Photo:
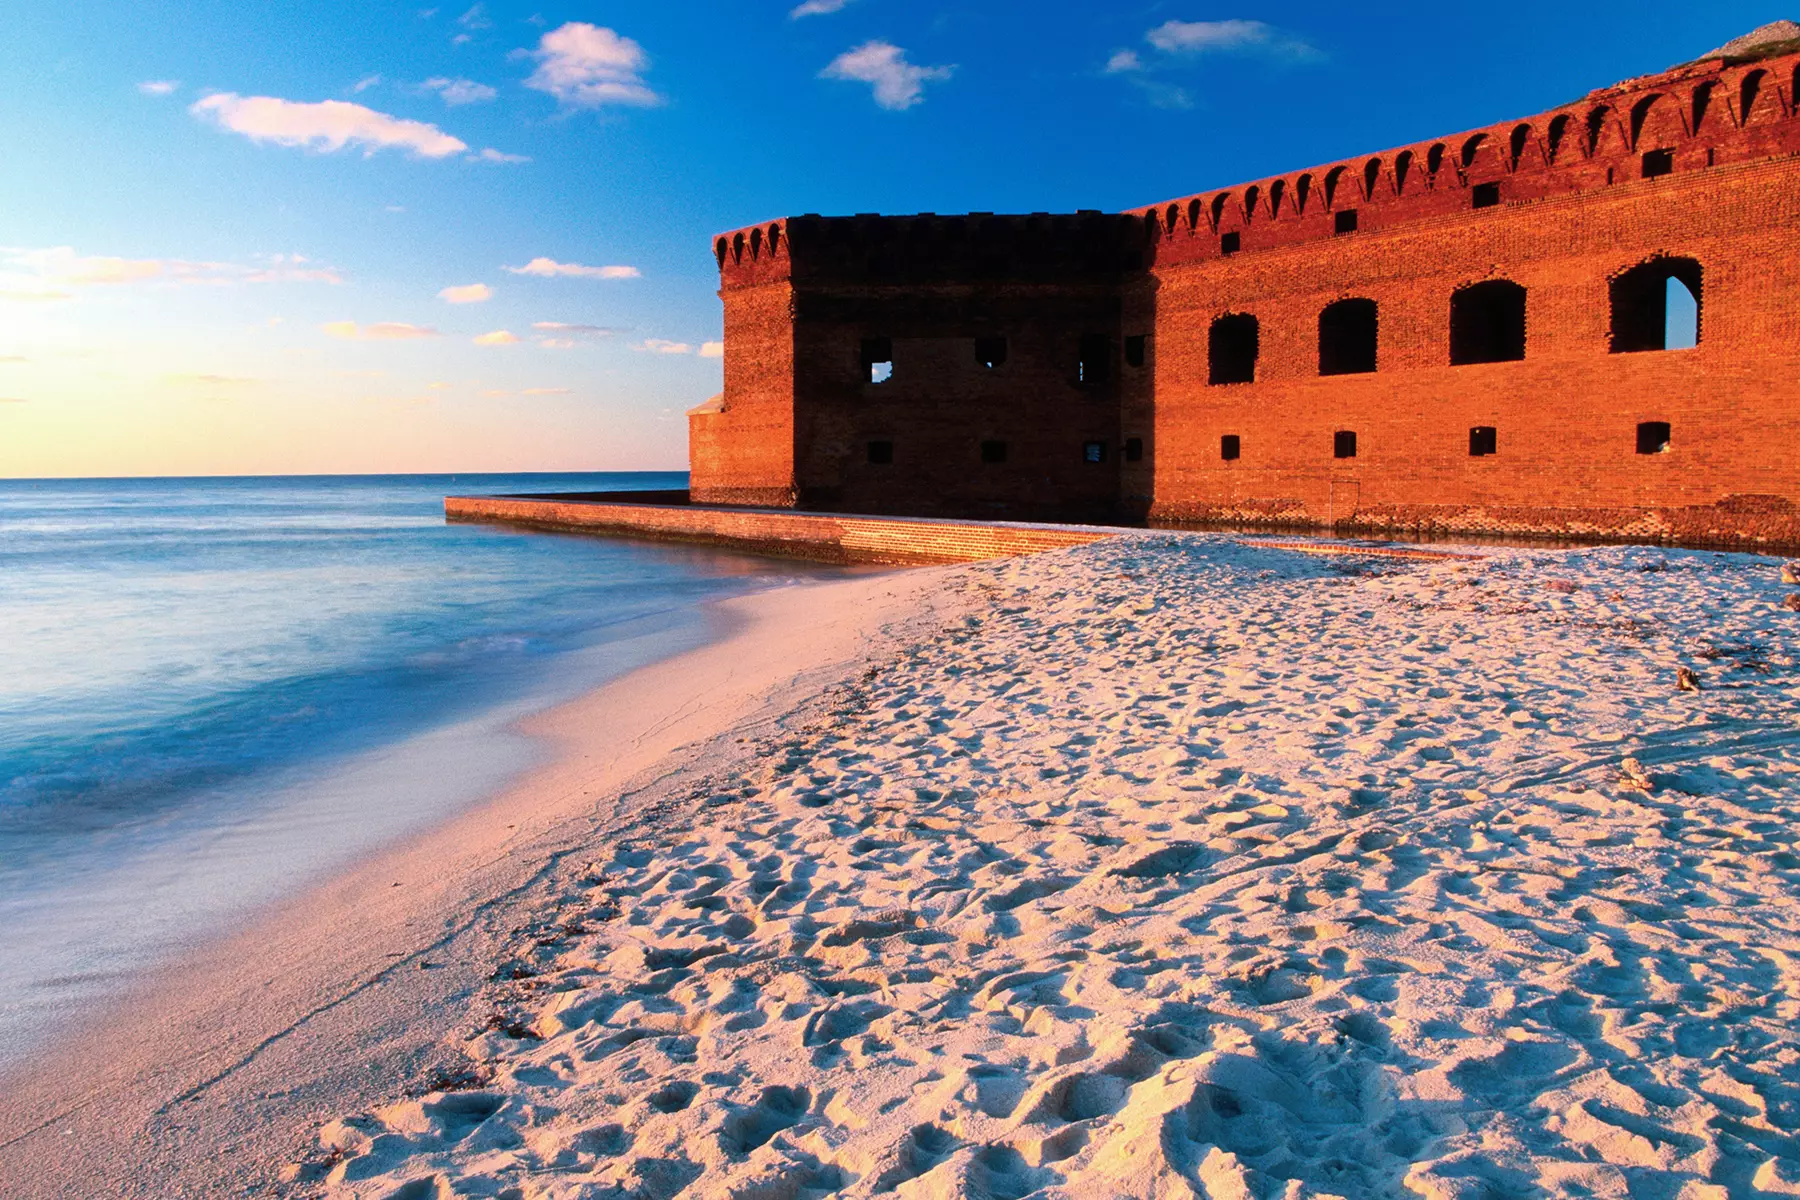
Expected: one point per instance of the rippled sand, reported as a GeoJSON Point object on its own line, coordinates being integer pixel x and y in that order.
{"type": "Point", "coordinates": [1181, 867]}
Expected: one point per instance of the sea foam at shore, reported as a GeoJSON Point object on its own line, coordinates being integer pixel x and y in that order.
{"type": "Point", "coordinates": [1175, 866]}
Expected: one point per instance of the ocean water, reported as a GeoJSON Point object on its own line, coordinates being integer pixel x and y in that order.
{"type": "Point", "coordinates": [214, 691]}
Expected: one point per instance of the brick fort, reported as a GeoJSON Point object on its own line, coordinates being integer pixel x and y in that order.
{"type": "Point", "coordinates": [1583, 324]}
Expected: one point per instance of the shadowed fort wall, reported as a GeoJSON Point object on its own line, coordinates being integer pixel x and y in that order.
{"type": "Point", "coordinates": [1693, 169]}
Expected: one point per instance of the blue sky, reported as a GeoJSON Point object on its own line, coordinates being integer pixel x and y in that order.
{"type": "Point", "coordinates": [240, 238]}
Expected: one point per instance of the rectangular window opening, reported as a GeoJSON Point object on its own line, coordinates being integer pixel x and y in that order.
{"type": "Point", "coordinates": [1344, 221]}
{"type": "Point", "coordinates": [881, 453]}
{"type": "Point", "coordinates": [1343, 444]}
{"type": "Point", "coordinates": [990, 352]}
{"type": "Point", "coordinates": [1230, 243]}
{"type": "Point", "coordinates": [1095, 366]}
{"type": "Point", "coordinates": [1485, 195]}
{"type": "Point", "coordinates": [1229, 447]}
{"type": "Point", "coordinates": [1134, 349]}
{"type": "Point", "coordinates": [993, 452]}
{"type": "Point", "coordinates": [1134, 449]}
{"type": "Point", "coordinates": [1652, 437]}
{"type": "Point", "coordinates": [1658, 162]}
{"type": "Point", "coordinates": [1093, 452]}
{"type": "Point", "coordinates": [878, 359]}
{"type": "Point", "coordinates": [1483, 441]}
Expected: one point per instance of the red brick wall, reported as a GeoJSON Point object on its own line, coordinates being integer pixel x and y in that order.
{"type": "Point", "coordinates": [744, 454]}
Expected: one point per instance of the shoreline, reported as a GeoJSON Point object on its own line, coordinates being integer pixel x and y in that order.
{"type": "Point", "coordinates": [234, 1047]}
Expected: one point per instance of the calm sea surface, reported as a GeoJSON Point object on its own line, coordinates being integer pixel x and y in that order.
{"type": "Point", "coordinates": [214, 691]}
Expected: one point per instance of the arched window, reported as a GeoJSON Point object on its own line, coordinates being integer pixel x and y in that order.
{"type": "Point", "coordinates": [774, 239]}
{"type": "Point", "coordinates": [1697, 109]}
{"type": "Point", "coordinates": [1558, 130]}
{"type": "Point", "coordinates": [1403, 162]}
{"type": "Point", "coordinates": [1748, 92]}
{"type": "Point", "coordinates": [1152, 226]}
{"type": "Point", "coordinates": [1521, 138]}
{"type": "Point", "coordinates": [1371, 177]}
{"type": "Point", "coordinates": [1596, 127]}
{"type": "Point", "coordinates": [1333, 177]}
{"type": "Point", "coordinates": [1302, 190]}
{"type": "Point", "coordinates": [1487, 323]}
{"type": "Point", "coordinates": [1194, 211]}
{"type": "Point", "coordinates": [1347, 337]}
{"type": "Point", "coordinates": [755, 244]}
{"type": "Point", "coordinates": [1232, 349]}
{"type": "Point", "coordinates": [1252, 195]}
{"type": "Point", "coordinates": [1656, 306]}
{"type": "Point", "coordinates": [1172, 216]}
{"type": "Point", "coordinates": [1218, 208]}
{"type": "Point", "coordinates": [737, 248]}
{"type": "Point", "coordinates": [1471, 149]}
{"type": "Point", "coordinates": [1434, 161]}
{"type": "Point", "coordinates": [1277, 190]}
{"type": "Point", "coordinates": [720, 249]}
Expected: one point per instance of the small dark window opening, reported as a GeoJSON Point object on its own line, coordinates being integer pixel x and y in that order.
{"type": "Point", "coordinates": [1134, 449]}
{"type": "Point", "coordinates": [1483, 441]}
{"type": "Point", "coordinates": [1652, 437]}
{"type": "Point", "coordinates": [1643, 317]}
{"type": "Point", "coordinates": [1487, 323]}
{"type": "Point", "coordinates": [1658, 162]}
{"type": "Point", "coordinates": [881, 453]}
{"type": "Point", "coordinates": [1232, 349]}
{"type": "Point", "coordinates": [1344, 221]}
{"type": "Point", "coordinates": [1093, 452]}
{"type": "Point", "coordinates": [990, 352]}
{"type": "Point", "coordinates": [1485, 195]}
{"type": "Point", "coordinates": [993, 452]}
{"type": "Point", "coordinates": [1095, 367]}
{"type": "Point", "coordinates": [877, 360]}
{"type": "Point", "coordinates": [1134, 350]}
{"type": "Point", "coordinates": [1230, 448]}
{"type": "Point", "coordinates": [1343, 444]}
{"type": "Point", "coordinates": [1347, 337]}
{"type": "Point", "coordinates": [1230, 243]}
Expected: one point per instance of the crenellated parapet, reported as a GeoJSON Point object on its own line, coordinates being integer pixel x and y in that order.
{"type": "Point", "coordinates": [1710, 113]}
{"type": "Point", "coordinates": [977, 248]}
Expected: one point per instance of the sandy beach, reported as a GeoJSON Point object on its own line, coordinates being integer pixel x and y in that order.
{"type": "Point", "coordinates": [1167, 866]}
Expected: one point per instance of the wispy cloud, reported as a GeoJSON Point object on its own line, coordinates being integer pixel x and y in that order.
{"type": "Point", "coordinates": [897, 83]}
{"type": "Point", "coordinates": [61, 266]}
{"type": "Point", "coordinates": [495, 156]}
{"type": "Point", "coordinates": [328, 125]}
{"type": "Point", "coordinates": [499, 337]}
{"type": "Point", "coordinates": [468, 293]}
{"type": "Point", "coordinates": [560, 335]}
{"type": "Point", "coordinates": [364, 84]}
{"type": "Point", "coordinates": [381, 331]}
{"type": "Point", "coordinates": [549, 268]}
{"type": "Point", "coordinates": [7, 359]}
{"type": "Point", "coordinates": [460, 91]}
{"type": "Point", "coordinates": [159, 87]}
{"type": "Point", "coordinates": [712, 350]}
{"type": "Point", "coordinates": [545, 392]}
{"type": "Point", "coordinates": [815, 8]}
{"type": "Point", "coordinates": [1175, 41]}
{"type": "Point", "coordinates": [590, 66]}
{"type": "Point", "coordinates": [663, 346]}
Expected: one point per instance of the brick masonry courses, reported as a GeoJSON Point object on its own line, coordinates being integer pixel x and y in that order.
{"type": "Point", "coordinates": [1698, 163]}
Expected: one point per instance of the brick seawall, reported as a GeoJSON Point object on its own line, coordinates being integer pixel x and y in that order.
{"type": "Point", "coordinates": [820, 537]}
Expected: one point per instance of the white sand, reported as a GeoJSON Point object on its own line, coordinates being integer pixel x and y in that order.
{"type": "Point", "coordinates": [1183, 868]}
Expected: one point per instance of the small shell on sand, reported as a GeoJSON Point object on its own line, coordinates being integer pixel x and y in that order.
{"type": "Point", "coordinates": [1790, 573]}
{"type": "Point", "coordinates": [1686, 680]}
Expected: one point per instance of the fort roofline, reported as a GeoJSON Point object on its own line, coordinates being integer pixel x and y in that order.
{"type": "Point", "coordinates": [1712, 112]}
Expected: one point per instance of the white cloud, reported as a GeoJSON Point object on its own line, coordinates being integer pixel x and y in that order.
{"type": "Point", "coordinates": [712, 350]}
{"type": "Point", "coordinates": [475, 18]}
{"type": "Point", "coordinates": [499, 337]}
{"type": "Point", "coordinates": [663, 346]}
{"type": "Point", "coordinates": [495, 156]}
{"type": "Point", "coordinates": [898, 84]}
{"type": "Point", "coordinates": [549, 268]}
{"type": "Point", "coordinates": [328, 125]}
{"type": "Point", "coordinates": [814, 8]}
{"type": "Point", "coordinates": [159, 87]}
{"type": "Point", "coordinates": [364, 84]}
{"type": "Point", "coordinates": [468, 293]}
{"type": "Point", "coordinates": [61, 266]}
{"type": "Point", "coordinates": [589, 66]}
{"type": "Point", "coordinates": [460, 91]}
{"type": "Point", "coordinates": [1197, 37]}
{"type": "Point", "coordinates": [560, 335]}
{"type": "Point", "coordinates": [1124, 60]}
{"type": "Point", "coordinates": [545, 392]}
{"type": "Point", "coordinates": [381, 331]}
